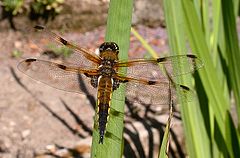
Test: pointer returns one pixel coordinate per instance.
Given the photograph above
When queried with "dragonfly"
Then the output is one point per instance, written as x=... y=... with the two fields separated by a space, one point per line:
x=144 y=80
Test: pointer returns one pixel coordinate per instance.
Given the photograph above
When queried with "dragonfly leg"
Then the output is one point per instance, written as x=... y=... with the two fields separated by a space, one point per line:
x=116 y=84
x=94 y=81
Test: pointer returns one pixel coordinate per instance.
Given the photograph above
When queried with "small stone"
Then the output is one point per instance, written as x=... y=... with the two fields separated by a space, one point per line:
x=51 y=148
x=62 y=153
x=25 y=133
x=5 y=145
x=18 y=44
x=12 y=123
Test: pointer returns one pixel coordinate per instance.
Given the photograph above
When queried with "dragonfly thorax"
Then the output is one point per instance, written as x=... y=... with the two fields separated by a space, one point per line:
x=107 y=69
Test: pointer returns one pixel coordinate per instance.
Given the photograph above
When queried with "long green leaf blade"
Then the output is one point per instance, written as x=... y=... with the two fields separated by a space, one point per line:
x=118 y=30
x=232 y=49
x=220 y=103
x=195 y=133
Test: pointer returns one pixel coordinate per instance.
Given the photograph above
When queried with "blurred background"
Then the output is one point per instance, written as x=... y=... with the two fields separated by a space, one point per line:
x=39 y=121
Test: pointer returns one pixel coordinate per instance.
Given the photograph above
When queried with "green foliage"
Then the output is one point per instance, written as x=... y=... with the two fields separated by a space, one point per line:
x=35 y=8
x=56 y=51
x=46 y=7
x=209 y=27
x=163 y=151
x=13 y=6
x=16 y=53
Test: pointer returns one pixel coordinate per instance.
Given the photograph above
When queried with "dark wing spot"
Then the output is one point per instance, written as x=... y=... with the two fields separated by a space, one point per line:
x=161 y=59
x=62 y=66
x=63 y=41
x=185 y=87
x=39 y=27
x=124 y=81
x=191 y=56
x=151 y=82
x=30 y=60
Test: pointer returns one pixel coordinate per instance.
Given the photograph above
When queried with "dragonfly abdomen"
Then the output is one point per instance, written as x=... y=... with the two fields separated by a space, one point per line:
x=104 y=98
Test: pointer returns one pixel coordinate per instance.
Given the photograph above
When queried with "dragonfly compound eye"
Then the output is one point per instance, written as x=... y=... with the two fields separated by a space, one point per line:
x=111 y=46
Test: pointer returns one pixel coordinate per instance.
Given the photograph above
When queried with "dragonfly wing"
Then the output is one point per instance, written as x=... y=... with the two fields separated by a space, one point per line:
x=159 y=93
x=58 y=76
x=154 y=69
x=54 y=45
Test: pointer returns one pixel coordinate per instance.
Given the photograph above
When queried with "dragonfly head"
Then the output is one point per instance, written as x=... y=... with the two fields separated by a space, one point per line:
x=109 y=46
x=109 y=51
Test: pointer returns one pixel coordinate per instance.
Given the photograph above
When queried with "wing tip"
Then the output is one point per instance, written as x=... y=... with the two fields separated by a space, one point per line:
x=197 y=62
x=24 y=65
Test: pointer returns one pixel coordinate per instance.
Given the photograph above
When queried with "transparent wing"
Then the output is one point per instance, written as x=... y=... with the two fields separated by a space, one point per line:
x=154 y=69
x=59 y=76
x=159 y=93
x=50 y=42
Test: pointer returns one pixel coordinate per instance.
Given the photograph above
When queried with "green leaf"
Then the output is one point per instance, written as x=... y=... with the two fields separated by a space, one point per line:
x=232 y=49
x=220 y=66
x=118 y=30
x=219 y=100
x=164 y=146
x=232 y=55
x=196 y=136
x=232 y=137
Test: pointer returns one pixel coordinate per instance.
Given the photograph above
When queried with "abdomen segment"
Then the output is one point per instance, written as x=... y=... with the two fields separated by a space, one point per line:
x=104 y=98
